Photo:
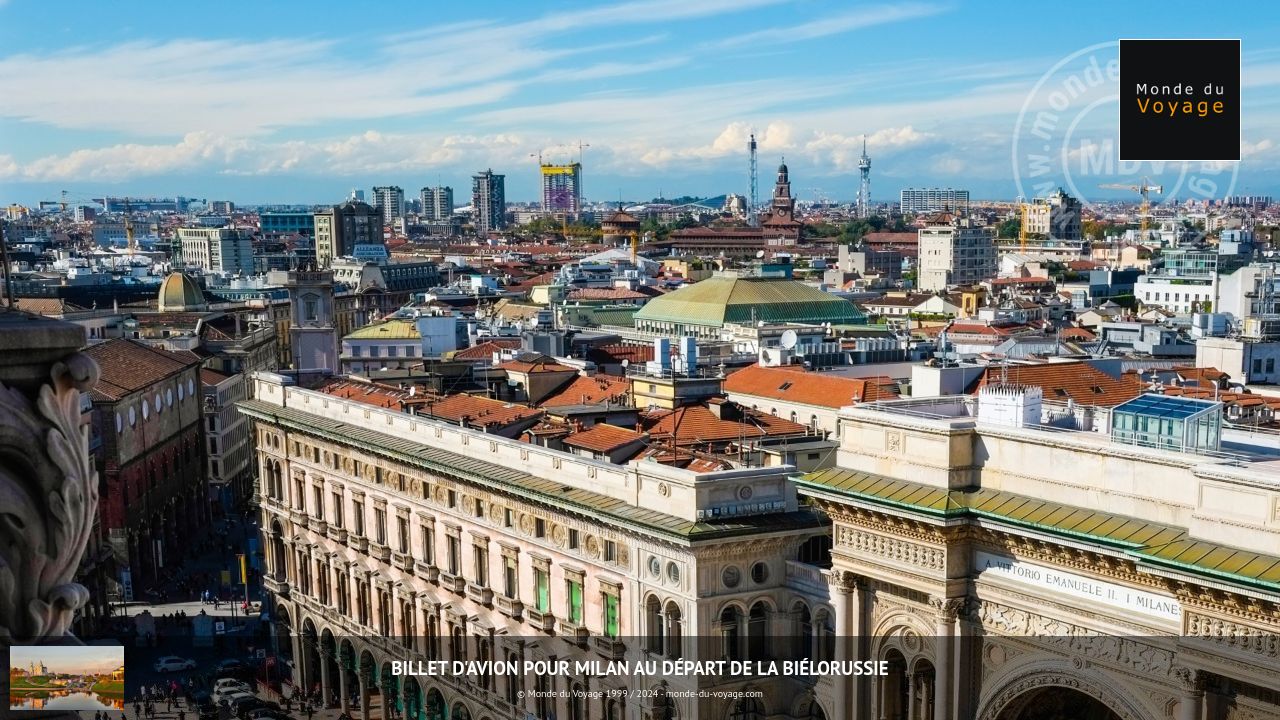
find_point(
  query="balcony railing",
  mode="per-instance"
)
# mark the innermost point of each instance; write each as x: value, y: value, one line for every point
x: 574, y: 632
x: 380, y: 551
x: 609, y: 648
x: 453, y: 583
x: 480, y: 594
x: 510, y: 607
x: 545, y: 622
x: 806, y: 578
x: 430, y: 573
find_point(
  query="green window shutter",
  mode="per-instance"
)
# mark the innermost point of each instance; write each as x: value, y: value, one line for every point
x: 544, y: 591
x: 611, y: 615
x: 575, y: 603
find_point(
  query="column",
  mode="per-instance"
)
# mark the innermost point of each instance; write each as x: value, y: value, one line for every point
x: 295, y: 638
x: 344, y: 692
x: 364, y: 695
x: 324, y: 673
x: 841, y: 589
x: 859, y: 685
x: 947, y: 608
x: 1191, y: 704
x: 913, y: 698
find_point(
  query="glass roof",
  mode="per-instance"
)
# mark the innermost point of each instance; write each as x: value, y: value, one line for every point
x: 1164, y: 406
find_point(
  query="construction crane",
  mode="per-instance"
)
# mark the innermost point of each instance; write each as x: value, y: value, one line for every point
x: 1144, y: 211
x: 128, y: 228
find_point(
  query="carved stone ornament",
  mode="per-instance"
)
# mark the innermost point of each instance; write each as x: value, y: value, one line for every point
x: 48, y: 484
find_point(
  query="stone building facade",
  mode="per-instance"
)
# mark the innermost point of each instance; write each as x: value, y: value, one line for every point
x: 392, y: 537
x: 1008, y: 571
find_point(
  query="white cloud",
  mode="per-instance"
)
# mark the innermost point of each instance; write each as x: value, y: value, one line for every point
x: 230, y: 87
x: 858, y: 19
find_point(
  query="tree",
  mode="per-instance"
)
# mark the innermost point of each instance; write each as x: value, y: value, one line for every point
x: 1009, y: 228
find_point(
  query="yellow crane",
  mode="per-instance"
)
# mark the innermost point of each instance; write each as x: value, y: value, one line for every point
x: 1144, y: 211
x: 1022, y: 227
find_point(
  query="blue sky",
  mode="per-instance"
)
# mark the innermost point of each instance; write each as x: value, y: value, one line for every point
x: 68, y: 659
x: 301, y: 101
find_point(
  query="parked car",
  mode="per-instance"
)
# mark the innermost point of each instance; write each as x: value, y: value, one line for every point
x: 243, y: 706
x: 230, y: 695
x: 173, y: 663
x: 269, y: 713
x: 228, y: 682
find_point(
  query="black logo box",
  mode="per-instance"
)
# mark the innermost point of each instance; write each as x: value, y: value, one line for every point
x: 1180, y: 66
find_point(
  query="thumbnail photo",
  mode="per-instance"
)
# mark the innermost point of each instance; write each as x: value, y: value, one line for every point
x: 66, y: 678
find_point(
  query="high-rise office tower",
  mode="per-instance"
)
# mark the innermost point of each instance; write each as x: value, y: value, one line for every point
x: 489, y: 201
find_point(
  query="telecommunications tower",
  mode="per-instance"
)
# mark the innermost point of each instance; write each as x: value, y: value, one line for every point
x: 753, y: 202
x: 864, y: 188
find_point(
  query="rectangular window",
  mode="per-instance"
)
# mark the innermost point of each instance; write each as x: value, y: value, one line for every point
x: 611, y: 615
x: 573, y: 589
x: 453, y: 499
x: 573, y: 539
x: 511, y: 577
x: 402, y: 526
x: 1271, y: 365
x: 428, y: 545
x: 481, y: 565
x: 610, y: 551
x: 455, y: 553
x: 380, y: 525
x: 337, y: 510
x: 507, y: 519
x: 357, y: 517
x: 542, y: 579
x: 539, y: 528
x: 318, y: 495
x: 479, y: 508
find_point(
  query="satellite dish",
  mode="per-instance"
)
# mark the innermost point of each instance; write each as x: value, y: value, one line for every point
x: 759, y: 253
x: 789, y: 339
x: 626, y: 363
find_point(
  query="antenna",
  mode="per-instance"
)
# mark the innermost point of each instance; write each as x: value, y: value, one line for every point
x: 753, y: 203
x: 864, y: 188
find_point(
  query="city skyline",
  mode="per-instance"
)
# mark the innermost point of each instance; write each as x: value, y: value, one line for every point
x: 68, y: 659
x: 279, y: 107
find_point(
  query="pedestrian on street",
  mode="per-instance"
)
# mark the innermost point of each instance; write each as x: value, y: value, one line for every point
x: 311, y: 711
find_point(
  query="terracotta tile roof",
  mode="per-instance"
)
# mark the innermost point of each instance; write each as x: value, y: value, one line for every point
x: 595, y: 390
x: 129, y: 366
x: 543, y: 364
x: 1080, y: 265
x: 698, y: 425
x: 808, y: 388
x: 1208, y: 377
x: 1075, y: 333
x: 617, y: 353
x: 604, y: 438
x: 478, y: 412
x: 1077, y: 381
x: 1022, y: 281
x: 366, y: 392
x: 910, y: 300
x: 486, y: 349
x: 606, y: 294
x: 211, y: 377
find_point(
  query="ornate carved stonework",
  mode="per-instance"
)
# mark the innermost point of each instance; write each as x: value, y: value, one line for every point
x: 1232, y: 635
x: 48, y: 484
x: 891, y: 548
x: 1073, y: 641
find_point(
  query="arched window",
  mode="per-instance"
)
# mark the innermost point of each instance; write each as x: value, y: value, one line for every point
x: 731, y: 633
x: 664, y: 708
x: 654, y: 622
x: 824, y: 637
x: 675, y: 631
x: 794, y: 416
x: 802, y: 631
x: 577, y: 708
x: 758, y: 632
x: 460, y: 712
x: 746, y: 709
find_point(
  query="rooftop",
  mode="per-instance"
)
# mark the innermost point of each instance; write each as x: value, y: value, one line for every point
x: 730, y: 298
x: 390, y: 329
x: 128, y: 366
x: 808, y: 388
